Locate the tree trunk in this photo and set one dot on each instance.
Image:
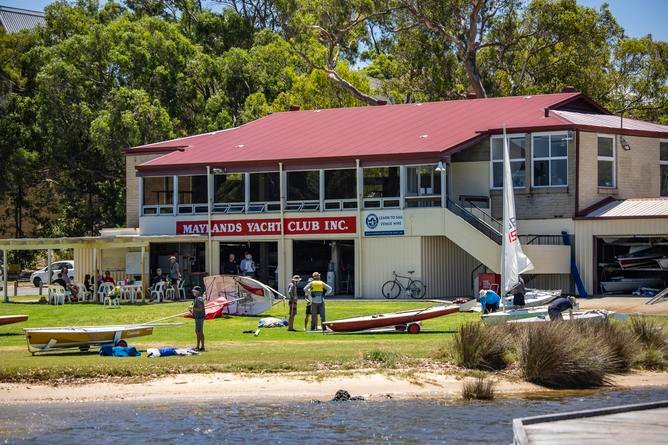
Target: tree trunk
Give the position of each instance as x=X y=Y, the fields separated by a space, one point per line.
x=471 y=66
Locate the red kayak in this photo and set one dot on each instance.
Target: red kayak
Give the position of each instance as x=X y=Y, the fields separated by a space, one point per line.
x=9 y=319
x=404 y=320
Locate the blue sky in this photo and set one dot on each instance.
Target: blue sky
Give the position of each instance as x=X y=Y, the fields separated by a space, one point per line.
x=638 y=17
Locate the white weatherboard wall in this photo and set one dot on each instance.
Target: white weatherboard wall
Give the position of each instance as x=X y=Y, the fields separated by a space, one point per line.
x=586 y=230
x=382 y=255
x=446 y=268
x=469 y=178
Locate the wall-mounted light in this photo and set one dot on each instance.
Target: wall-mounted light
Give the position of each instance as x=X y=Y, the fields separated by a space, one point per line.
x=440 y=167
x=625 y=144
x=217 y=171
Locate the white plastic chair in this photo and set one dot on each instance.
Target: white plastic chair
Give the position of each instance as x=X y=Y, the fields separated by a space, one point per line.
x=106 y=292
x=56 y=294
x=182 y=290
x=127 y=292
x=170 y=293
x=84 y=294
x=158 y=291
x=136 y=290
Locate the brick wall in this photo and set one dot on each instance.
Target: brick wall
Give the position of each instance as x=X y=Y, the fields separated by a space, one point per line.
x=637 y=170
x=132 y=188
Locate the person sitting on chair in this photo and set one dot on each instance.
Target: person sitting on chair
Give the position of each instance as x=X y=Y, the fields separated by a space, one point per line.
x=489 y=301
x=157 y=278
x=59 y=281
x=108 y=278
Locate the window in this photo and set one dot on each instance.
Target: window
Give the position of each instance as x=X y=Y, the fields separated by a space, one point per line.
x=606 y=161
x=265 y=187
x=304 y=185
x=228 y=188
x=340 y=184
x=381 y=182
x=550 y=160
x=423 y=181
x=158 y=190
x=192 y=189
x=517 y=149
x=664 y=167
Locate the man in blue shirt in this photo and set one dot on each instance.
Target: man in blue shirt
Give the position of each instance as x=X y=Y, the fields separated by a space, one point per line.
x=489 y=301
x=559 y=305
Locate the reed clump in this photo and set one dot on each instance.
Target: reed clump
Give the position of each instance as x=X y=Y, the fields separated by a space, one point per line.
x=479 y=388
x=476 y=346
x=621 y=340
x=654 y=340
x=557 y=355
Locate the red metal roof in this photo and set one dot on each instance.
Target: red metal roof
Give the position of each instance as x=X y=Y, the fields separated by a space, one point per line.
x=390 y=131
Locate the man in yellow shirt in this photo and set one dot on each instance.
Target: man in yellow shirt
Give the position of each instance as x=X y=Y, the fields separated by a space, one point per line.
x=318 y=290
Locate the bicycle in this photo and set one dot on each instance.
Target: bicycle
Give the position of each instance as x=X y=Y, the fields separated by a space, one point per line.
x=393 y=288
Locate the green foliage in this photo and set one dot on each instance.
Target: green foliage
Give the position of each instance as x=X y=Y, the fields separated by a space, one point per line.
x=383 y=357
x=649 y=332
x=652 y=359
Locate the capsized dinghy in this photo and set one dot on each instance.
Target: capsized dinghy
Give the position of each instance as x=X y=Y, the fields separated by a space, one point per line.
x=239 y=295
x=9 y=319
x=82 y=337
x=404 y=320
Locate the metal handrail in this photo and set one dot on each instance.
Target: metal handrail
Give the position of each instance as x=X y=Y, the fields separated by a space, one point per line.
x=493 y=222
x=491 y=232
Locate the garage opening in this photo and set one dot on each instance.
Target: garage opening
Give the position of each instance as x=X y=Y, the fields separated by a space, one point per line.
x=334 y=259
x=636 y=265
x=264 y=254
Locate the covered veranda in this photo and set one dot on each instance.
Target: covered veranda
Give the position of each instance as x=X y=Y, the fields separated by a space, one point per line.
x=89 y=254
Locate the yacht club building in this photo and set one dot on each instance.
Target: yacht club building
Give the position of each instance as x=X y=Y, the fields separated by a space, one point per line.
x=362 y=192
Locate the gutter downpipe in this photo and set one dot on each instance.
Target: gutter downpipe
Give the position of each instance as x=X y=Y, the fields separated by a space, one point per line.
x=360 y=189
x=577 y=172
x=208 y=231
x=282 y=192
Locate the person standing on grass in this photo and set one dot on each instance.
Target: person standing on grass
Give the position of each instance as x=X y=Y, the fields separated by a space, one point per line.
x=559 y=305
x=318 y=290
x=174 y=271
x=199 y=313
x=307 y=297
x=489 y=301
x=292 y=301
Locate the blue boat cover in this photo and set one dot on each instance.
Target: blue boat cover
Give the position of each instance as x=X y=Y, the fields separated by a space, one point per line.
x=119 y=351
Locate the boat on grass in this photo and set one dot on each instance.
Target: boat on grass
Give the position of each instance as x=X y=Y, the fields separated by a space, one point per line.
x=9 y=319
x=402 y=321
x=83 y=337
x=514 y=314
x=590 y=315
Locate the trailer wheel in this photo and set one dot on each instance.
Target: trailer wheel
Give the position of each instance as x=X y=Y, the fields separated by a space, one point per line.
x=413 y=328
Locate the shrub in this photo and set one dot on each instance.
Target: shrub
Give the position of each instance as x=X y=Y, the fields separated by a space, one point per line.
x=651 y=358
x=649 y=333
x=477 y=346
x=478 y=389
x=619 y=338
x=557 y=355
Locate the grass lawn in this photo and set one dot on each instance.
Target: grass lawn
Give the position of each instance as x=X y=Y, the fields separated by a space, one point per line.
x=228 y=349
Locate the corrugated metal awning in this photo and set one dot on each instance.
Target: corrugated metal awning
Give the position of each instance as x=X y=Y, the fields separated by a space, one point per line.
x=17 y=19
x=632 y=208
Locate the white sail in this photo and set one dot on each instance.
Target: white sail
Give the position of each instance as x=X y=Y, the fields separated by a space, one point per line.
x=513 y=260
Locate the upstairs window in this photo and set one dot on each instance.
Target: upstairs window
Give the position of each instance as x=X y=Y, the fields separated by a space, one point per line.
x=158 y=190
x=606 y=161
x=228 y=188
x=423 y=181
x=192 y=189
x=303 y=185
x=664 y=167
x=265 y=187
x=550 y=160
x=341 y=184
x=517 y=150
x=381 y=182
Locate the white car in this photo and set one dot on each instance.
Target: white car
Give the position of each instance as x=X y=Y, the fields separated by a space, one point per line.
x=39 y=276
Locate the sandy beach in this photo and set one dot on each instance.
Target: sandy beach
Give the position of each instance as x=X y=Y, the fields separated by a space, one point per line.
x=283 y=387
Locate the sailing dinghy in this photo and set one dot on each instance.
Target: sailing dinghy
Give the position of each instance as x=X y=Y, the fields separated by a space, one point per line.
x=9 y=319
x=82 y=337
x=401 y=321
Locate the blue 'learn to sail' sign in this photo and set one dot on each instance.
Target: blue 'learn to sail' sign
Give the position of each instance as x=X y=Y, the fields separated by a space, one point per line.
x=383 y=222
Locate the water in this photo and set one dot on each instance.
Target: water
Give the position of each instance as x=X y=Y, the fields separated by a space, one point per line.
x=392 y=421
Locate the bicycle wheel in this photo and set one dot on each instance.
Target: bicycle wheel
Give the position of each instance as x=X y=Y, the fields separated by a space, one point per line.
x=417 y=289
x=391 y=290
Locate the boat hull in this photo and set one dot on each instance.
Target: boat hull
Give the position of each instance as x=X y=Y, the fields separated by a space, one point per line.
x=593 y=315
x=55 y=338
x=513 y=314
x=9 y=319
x=389 y=319
x=629 y=285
